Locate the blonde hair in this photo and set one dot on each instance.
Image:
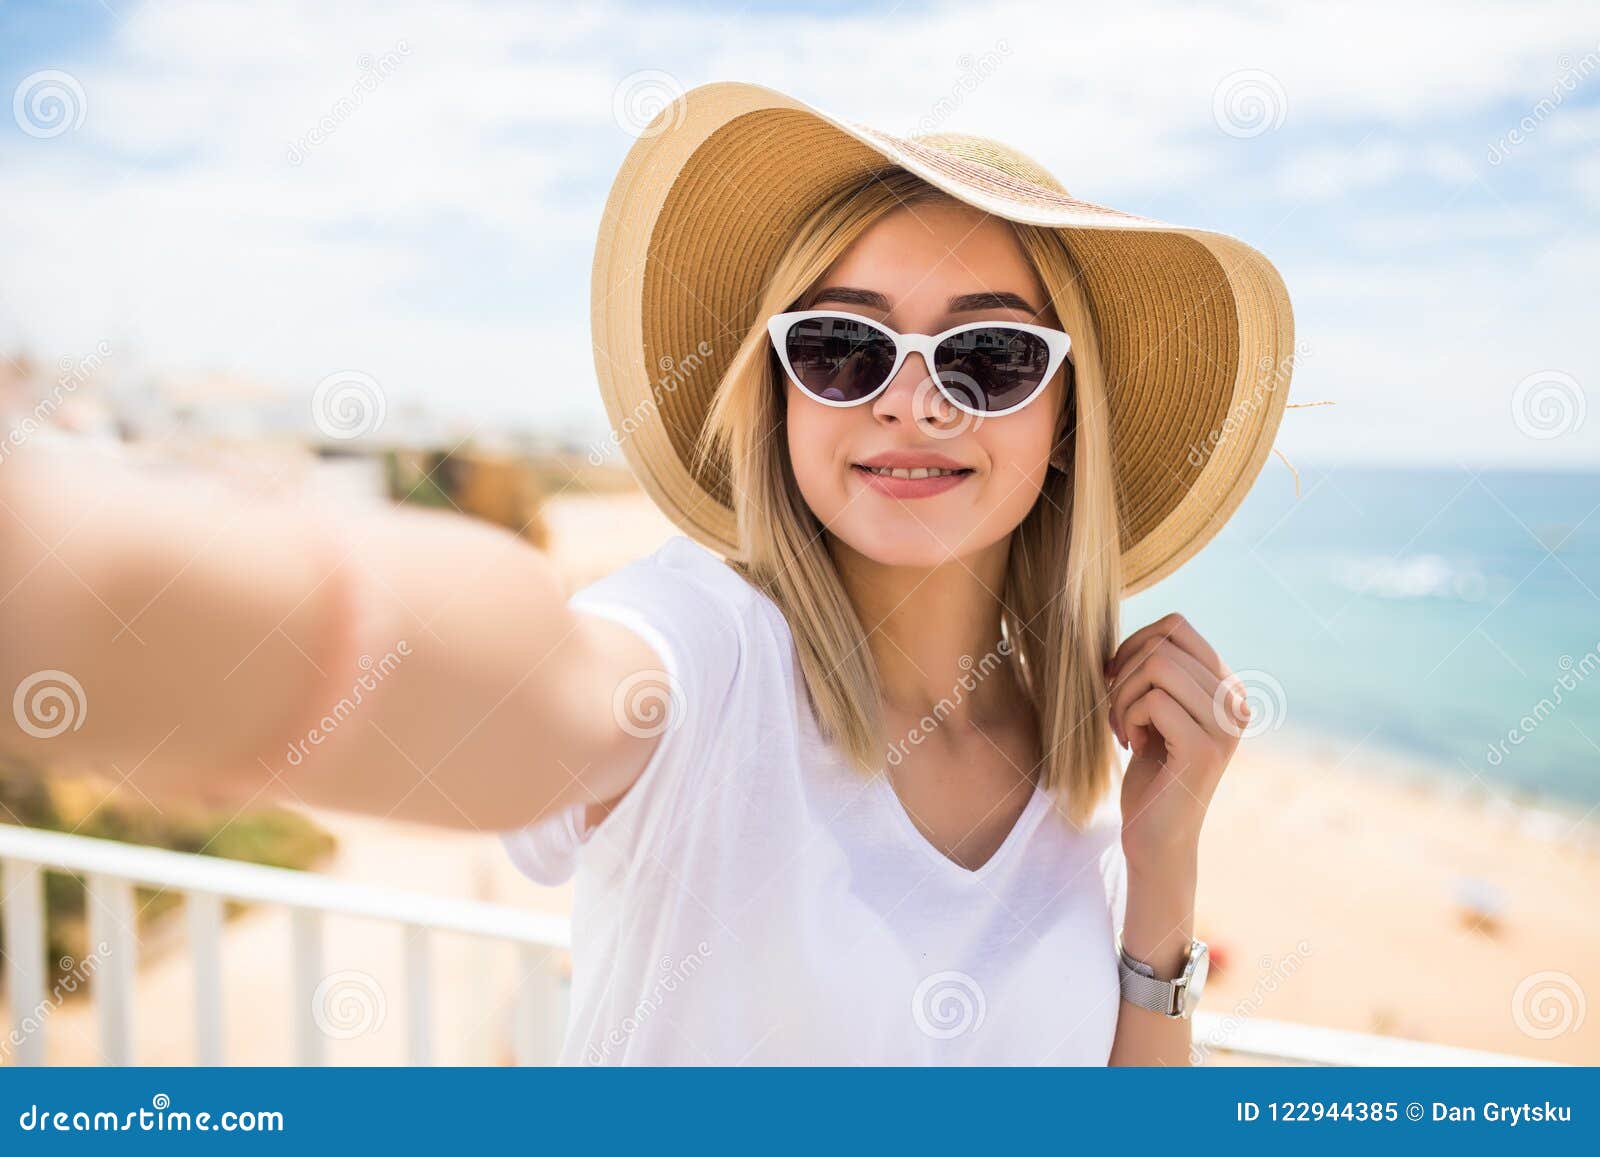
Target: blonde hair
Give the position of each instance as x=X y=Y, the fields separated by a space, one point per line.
x=1059 y=609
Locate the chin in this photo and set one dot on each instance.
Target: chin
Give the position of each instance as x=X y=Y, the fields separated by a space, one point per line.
x=903 y=541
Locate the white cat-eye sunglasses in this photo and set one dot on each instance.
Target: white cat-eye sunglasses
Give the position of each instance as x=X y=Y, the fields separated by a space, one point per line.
x=984 y=368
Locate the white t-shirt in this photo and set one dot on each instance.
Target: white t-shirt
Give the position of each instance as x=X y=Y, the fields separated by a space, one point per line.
x=753 y=899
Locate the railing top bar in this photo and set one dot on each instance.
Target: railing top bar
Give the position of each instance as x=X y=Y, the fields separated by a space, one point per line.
x=1315 y=1045
x=160 y=868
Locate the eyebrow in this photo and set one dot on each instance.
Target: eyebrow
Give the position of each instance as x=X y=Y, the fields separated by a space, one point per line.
x=962 y=303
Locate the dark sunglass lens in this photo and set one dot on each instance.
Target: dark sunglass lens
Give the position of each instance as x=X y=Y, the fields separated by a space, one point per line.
x=992 y=368
x=839 y=360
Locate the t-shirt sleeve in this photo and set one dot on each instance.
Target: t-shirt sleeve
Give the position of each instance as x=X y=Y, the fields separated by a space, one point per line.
x=680 y=603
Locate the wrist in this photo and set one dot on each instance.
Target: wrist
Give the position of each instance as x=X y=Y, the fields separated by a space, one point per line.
x=1176 y=859
x=1170 y=882
x=1159 y=919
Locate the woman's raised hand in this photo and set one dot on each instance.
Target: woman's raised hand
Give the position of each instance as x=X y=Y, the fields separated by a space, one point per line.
x=1181 y=712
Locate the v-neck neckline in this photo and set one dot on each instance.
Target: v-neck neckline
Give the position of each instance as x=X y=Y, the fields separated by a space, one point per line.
x=1019 y=832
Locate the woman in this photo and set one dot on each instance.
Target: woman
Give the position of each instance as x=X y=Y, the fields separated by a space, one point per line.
x=847 y=797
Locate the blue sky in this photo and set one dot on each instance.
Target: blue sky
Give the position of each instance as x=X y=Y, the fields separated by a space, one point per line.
x=439 y=237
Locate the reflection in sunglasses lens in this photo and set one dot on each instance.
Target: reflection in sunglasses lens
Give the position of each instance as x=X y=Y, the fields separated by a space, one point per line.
x=992 y=368
x=837 y=359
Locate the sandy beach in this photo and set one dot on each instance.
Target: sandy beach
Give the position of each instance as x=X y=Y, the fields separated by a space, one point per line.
x=1338 y=888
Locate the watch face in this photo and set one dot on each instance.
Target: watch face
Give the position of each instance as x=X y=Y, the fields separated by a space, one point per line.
x=1197 y=977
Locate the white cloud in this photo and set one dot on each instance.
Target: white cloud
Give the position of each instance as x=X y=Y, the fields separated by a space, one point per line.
x=438 y=236
x=1329 y=172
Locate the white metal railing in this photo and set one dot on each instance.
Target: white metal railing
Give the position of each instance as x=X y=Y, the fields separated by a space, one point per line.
x=112 y=870
x=1285 y=1043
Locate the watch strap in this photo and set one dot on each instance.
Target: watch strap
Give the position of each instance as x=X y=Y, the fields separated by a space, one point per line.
x=1149 y=991
x=1142 y=987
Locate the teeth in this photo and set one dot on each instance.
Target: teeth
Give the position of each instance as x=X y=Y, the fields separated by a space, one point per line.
x=919 y=472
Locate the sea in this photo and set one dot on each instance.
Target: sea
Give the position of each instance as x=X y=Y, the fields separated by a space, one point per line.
x=1447 y=617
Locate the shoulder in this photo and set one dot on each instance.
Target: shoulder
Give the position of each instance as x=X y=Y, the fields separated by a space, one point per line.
x=705 y=619
x=684 y=557
x=679 y=569
x=708 y=628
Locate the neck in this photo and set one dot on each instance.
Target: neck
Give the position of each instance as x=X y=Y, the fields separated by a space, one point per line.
x=932 y=632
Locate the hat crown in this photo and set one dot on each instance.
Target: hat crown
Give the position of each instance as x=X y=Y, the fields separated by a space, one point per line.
x=994 y=154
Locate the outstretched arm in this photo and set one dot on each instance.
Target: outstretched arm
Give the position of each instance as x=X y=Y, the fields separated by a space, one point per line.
x=208 y=643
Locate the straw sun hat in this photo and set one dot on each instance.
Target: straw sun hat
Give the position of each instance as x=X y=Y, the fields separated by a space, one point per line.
x=1195 y=326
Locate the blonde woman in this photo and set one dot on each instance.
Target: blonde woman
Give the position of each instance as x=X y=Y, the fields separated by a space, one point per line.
x=836 y=772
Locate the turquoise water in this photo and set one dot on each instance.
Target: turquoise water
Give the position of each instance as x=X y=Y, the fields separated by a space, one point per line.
x=1447 y=614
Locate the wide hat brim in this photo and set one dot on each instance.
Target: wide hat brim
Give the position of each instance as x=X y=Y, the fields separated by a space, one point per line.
x=1196 y=328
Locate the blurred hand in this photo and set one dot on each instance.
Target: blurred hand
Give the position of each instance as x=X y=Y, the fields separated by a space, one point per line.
x=1182 y=711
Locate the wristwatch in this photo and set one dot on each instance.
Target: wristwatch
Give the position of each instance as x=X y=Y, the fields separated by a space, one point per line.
x=1174 y=998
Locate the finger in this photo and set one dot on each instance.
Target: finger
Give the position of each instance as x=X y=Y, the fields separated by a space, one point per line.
x=1157 y=710
x=1180 y=675
x=1229 y=710
x=1184 y=638
x=1180 y=631
x=1130 y=682
x=1157 y=667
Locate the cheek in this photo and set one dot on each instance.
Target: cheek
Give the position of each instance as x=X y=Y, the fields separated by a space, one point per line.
x=1018 y=447
x=815 y=434
x=1019 y=461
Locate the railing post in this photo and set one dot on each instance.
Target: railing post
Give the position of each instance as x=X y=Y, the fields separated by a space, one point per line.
x=305 y=939
x=540 y=1019
x=205 y=949
x=419 y=994
x=112 y=923
x=23 y=888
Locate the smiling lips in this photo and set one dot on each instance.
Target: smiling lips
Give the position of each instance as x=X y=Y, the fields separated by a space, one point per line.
x=911 y=475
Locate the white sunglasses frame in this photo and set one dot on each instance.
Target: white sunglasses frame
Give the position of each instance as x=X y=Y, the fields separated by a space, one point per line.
x=1059 y=343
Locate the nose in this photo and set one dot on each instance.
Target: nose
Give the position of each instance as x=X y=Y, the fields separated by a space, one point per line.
x=913 y=396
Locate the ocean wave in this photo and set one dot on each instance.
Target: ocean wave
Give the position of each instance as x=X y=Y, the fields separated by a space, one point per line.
x=1423 y=576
